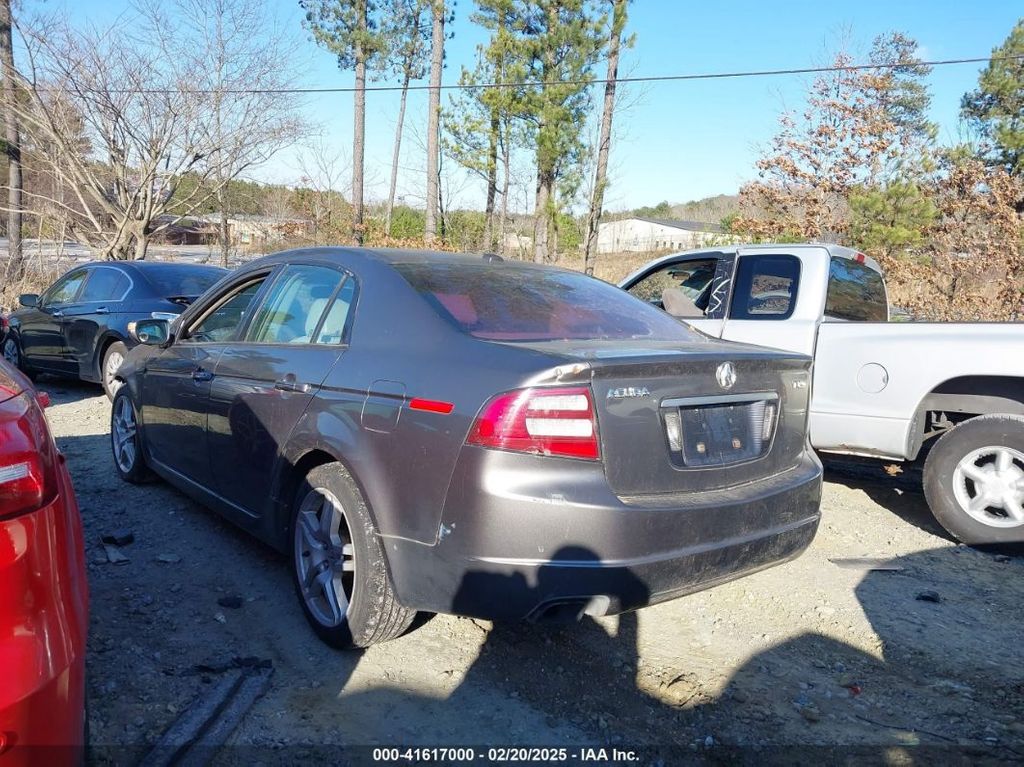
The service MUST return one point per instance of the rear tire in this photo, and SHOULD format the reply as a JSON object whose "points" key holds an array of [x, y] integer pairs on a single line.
{"points": [[338, 564], [974, 480], [112, 359], [125, 441]]}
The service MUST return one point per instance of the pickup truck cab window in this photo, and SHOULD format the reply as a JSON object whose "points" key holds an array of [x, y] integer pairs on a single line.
{"points": [[680, 288], [766, 286], [855, 293]]}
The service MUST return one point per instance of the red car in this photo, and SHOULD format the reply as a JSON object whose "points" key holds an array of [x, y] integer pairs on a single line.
{"points": [[43, 593]]}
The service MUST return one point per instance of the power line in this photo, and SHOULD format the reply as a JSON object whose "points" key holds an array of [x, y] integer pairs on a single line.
{"points": [[541, 83]]}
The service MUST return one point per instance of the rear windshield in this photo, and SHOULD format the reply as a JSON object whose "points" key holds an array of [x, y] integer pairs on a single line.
{"points": [[172, 280], [517, 303]]}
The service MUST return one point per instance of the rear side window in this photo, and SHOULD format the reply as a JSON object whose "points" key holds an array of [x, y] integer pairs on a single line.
{"points": [[182, 280], [856, 292], [332, 329], [105, 284], [766, 287], [294, 306], [519, 303]]}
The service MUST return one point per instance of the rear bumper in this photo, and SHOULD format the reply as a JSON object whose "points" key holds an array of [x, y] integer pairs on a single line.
{"points": [[519, 543]]}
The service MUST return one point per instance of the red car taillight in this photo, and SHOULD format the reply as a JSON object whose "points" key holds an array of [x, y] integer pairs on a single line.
{"points": [[544, 421], [27, 472]]}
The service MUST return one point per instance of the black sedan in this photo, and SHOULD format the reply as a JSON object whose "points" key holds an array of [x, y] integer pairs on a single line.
{"points": [[79, 326], [421, 431]]}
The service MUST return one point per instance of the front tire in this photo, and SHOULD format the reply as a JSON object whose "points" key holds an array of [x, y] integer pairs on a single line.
{"points": [[12, 354], [112, 359], [338, 564], [974, 480], [125, 441]]}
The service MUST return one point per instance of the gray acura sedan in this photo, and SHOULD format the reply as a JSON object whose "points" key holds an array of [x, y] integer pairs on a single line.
{"points": [[425, 431]]}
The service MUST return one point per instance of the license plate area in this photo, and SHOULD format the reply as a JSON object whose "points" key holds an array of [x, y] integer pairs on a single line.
{"points": [[719, 431]]}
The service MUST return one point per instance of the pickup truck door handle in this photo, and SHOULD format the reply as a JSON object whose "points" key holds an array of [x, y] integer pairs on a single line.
{"points": [[290, 384], [200, 374]]}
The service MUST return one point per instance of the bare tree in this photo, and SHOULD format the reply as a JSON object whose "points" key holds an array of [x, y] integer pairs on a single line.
{"points": [[438, 15], [244, 58], [130, 131], [318, 196], [618, 26], [12, 145]]}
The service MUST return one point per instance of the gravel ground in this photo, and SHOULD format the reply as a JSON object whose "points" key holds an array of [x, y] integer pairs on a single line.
{"points": [[809, 653]]}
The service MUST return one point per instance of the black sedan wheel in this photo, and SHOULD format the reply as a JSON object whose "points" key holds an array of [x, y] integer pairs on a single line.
{"points": [[125, 442], [112, 359], [338, 564], [12, 354]]}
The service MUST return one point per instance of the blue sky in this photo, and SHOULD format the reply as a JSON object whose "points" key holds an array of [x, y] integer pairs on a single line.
{"points": [[678, 140]]}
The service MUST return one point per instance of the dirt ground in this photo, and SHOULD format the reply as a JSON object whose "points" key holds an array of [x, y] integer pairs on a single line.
{"points": [[809, 653]]}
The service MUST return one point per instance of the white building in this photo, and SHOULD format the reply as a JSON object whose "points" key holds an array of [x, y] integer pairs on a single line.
{"points": [[649, 234]]}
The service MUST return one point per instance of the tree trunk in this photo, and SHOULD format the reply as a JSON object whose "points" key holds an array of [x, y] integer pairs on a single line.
{"points": [[605, 139], [141, 244], [434, 119], [16, 261], [506, 161], [394, 156], [225, 242], [541, 217], [359, 130], [492, 183]]}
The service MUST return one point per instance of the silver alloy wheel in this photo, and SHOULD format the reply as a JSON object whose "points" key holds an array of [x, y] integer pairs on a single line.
{"points": [[11, 352], [113, 363], [123, 435], [988, 483], [324, 556]]}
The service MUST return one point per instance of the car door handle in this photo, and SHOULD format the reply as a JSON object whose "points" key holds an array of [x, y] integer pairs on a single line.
{"points": [[201, 375], [57, 313], [290, 384], [102, 310]]}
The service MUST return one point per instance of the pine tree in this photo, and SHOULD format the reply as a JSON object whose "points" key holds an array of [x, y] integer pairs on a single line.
{"points": [[348, 29], [996, 108]]}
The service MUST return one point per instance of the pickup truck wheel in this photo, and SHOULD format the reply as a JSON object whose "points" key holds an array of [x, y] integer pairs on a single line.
{"points": [[974, 480], [338, 564]]}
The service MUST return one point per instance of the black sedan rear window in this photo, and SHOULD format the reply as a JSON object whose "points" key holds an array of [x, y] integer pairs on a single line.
{"points": [[173, 280], [503, 302]]}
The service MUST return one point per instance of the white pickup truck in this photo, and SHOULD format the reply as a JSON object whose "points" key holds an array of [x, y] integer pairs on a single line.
{"points": [[884, 389]]}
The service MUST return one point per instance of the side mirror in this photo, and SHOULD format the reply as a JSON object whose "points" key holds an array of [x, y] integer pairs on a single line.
{"points": [[149, 332], [29, 299]]}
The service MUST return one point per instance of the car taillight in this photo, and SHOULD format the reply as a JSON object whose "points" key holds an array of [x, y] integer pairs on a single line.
{"points": [[27, 470], [544, 421]]}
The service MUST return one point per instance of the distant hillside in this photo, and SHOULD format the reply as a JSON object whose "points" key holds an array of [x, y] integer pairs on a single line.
{"points": [[710, 209]]}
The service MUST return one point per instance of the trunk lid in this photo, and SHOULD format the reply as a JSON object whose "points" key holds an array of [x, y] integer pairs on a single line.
{"points": [[668, 425]]}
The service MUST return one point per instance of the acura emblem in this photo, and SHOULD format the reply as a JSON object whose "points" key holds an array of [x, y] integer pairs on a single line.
{"points": [[726, 375]]}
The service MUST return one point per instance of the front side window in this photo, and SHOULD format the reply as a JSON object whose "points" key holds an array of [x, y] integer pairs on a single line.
{"points": [[223, 322], [295, 305], [65, 289], [765, 288], [681, 288], [856, 293], [105, 284]]}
